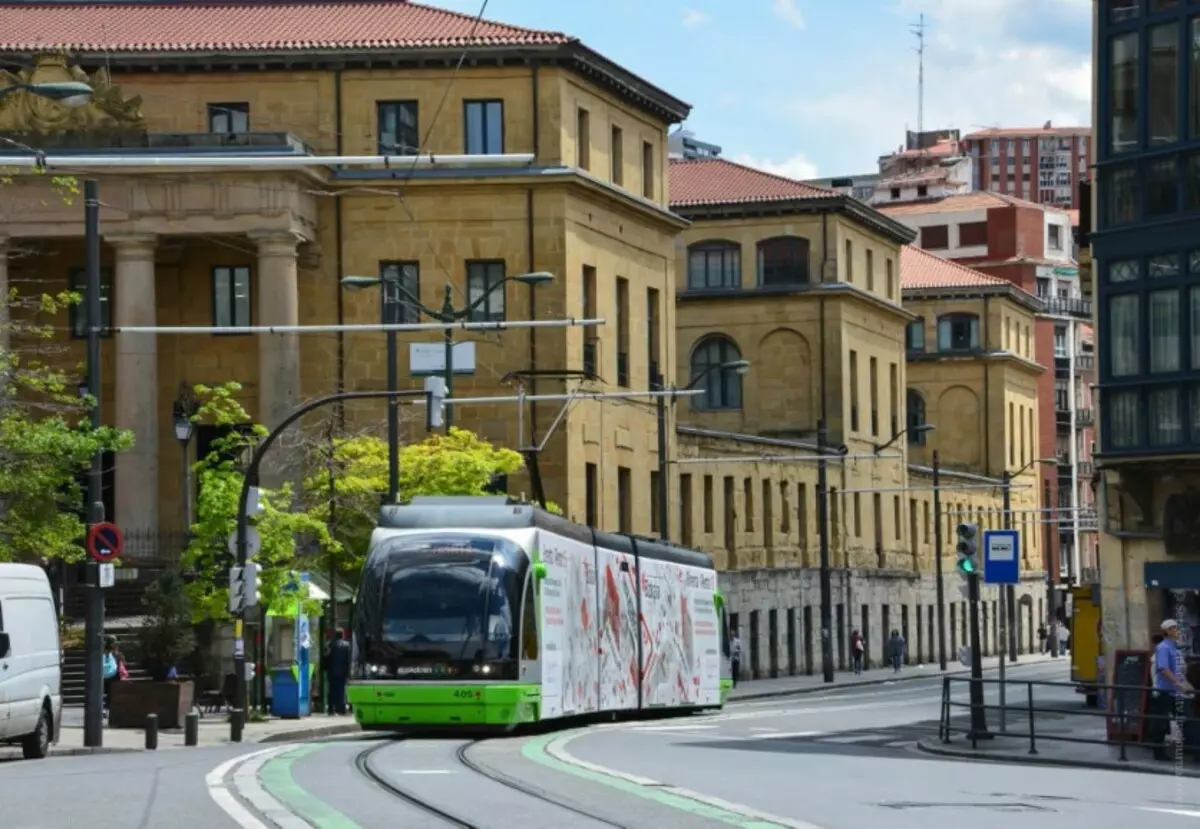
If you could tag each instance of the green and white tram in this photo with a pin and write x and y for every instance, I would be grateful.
(477, 611)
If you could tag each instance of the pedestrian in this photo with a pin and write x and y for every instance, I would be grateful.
(1064, 638)
(1170, 684)
(896, 646)
(338, 659)
(111, 664)
(735, 656)
(1043, 639)
(857, 647)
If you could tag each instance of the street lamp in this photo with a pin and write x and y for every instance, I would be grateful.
(1010, 590)
(916, 430)
(741, 367)
(68, 93)
(183, 411)
(393, 284)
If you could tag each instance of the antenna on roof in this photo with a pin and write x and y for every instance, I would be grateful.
(919, 31)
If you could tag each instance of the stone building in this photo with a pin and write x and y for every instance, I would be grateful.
(693, 265)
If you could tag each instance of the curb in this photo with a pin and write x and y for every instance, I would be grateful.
(938, 750)
(315, 733)
(866, 683)
(86, 751)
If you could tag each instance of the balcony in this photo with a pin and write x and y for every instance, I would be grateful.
(1084, 364)
(1084, 417)
(1080, 309)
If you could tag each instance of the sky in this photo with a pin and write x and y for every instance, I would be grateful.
(818, 88)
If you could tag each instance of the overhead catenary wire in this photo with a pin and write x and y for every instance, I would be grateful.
(350, 328)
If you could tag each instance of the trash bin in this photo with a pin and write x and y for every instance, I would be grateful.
(287, 699)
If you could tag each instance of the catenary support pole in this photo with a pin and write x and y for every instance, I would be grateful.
(979, 729)
(663, 494)
(93, 715)
(823, 530)
(937, 561)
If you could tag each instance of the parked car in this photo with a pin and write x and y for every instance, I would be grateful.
(30, 661)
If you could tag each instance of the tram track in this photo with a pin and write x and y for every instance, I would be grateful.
(462, 755)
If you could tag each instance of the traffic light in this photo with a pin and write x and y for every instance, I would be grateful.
(968, 549)
(243, 587)
(436, 386)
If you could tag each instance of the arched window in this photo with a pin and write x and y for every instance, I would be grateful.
(916, 417)
(783, 261)
(958, 332)
(714, 265)
(722, 386)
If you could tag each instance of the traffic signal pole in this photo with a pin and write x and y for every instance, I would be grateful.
(968, 565)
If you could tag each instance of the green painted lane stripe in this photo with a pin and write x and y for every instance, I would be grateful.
(535, 749)
(276, 777)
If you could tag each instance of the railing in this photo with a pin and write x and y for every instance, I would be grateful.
(1126, 725)
(1078, 308)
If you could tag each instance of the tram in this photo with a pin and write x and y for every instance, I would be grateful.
(480, 611)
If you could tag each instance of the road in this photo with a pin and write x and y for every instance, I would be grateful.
(842, 759)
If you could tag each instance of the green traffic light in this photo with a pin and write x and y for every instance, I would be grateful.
(967, 565)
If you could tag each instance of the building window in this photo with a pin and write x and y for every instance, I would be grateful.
(890, 277)
(853, 390)
(783, 261)
(485, 291)
(1055, 240)
(714, 266)
(1125, 270)
(1123, 331)
(849, 261)
(1122, 195)
(77, 311)
(958, 332)
(622, 331)
(230, 297)
(936, 237)
(894, 193)
(1165, 426)
(624, 499)
(1195, 410)
(1162, 187)
(1164, 266)
(1194, 327)
(915, 417)
(1122, 426)
(1162, 85)
(397, 127)
(647, 170)
(400, 289)
(583, 139)
(617, 156)
(922, 191)
(1123, 92)
(590, 339)
(483, 126)
(1193, 80)
(972, 234)
(229, 119)
(722, 386)
(1119, 10)
(1163, 327)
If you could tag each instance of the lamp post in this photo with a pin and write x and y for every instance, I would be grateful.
(183, 411)
(1010, 615)
(392, 285)
(660, 404)
(939, 587)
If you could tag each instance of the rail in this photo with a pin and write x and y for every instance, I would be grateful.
(1125, 725)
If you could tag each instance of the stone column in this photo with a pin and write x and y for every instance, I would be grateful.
(278, 354)
(135, 397)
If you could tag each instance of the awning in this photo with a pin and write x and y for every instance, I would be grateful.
(1172, 575)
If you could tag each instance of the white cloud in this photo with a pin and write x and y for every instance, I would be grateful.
(693, 18)
(797, 167)
(789, 12)
(986, 64)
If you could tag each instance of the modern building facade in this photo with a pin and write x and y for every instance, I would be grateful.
(1040, 165)
(1146, 260)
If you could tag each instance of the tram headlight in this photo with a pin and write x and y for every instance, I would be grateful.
(483, 669)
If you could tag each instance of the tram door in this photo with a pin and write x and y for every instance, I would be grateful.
(531, 666)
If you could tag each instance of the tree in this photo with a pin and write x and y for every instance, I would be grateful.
(220, 477)
(167, 638)
(460, 463)
(46, 441)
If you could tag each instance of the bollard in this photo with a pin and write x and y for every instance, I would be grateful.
(191, 729)
(151, 732)
(237, 718)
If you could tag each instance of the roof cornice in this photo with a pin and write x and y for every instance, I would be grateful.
(1022, 298)
(835, 203)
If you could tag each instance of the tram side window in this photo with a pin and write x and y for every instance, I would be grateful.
(529, 631)
(724, 632)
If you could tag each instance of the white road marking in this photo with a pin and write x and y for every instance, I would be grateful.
(427, 771)
(853, 738)
(674, 727)
(225, 799)
(771, 730)
(898, 743)
(789, 735)
(1181, 812)
(245, 781)
(558, 749)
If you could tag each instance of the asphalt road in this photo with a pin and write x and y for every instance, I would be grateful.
(843, 759)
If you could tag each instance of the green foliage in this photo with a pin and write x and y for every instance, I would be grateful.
(166, 639)
(460, 463)
(220, 482)
(46, 441)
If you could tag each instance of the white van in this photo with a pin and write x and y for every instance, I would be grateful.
(30, 660)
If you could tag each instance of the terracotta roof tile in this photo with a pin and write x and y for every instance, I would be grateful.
(710, 181)
(1032, 132)
(979, 200)
(245, 26)
(920, 269)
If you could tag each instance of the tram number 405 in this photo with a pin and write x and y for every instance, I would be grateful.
(464, 693)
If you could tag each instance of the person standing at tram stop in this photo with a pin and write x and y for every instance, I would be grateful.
(857, 647)
(1169, 685)
(735, 656)
(337, 658)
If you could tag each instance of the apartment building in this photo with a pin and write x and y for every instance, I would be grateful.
(1042, 165)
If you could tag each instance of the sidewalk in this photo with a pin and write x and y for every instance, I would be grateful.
(1049, 731)
(214, 730)
(790, 685)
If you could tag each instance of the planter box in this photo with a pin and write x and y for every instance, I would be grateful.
(132, 700)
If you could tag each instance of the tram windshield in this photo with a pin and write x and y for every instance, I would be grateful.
(449, 607)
